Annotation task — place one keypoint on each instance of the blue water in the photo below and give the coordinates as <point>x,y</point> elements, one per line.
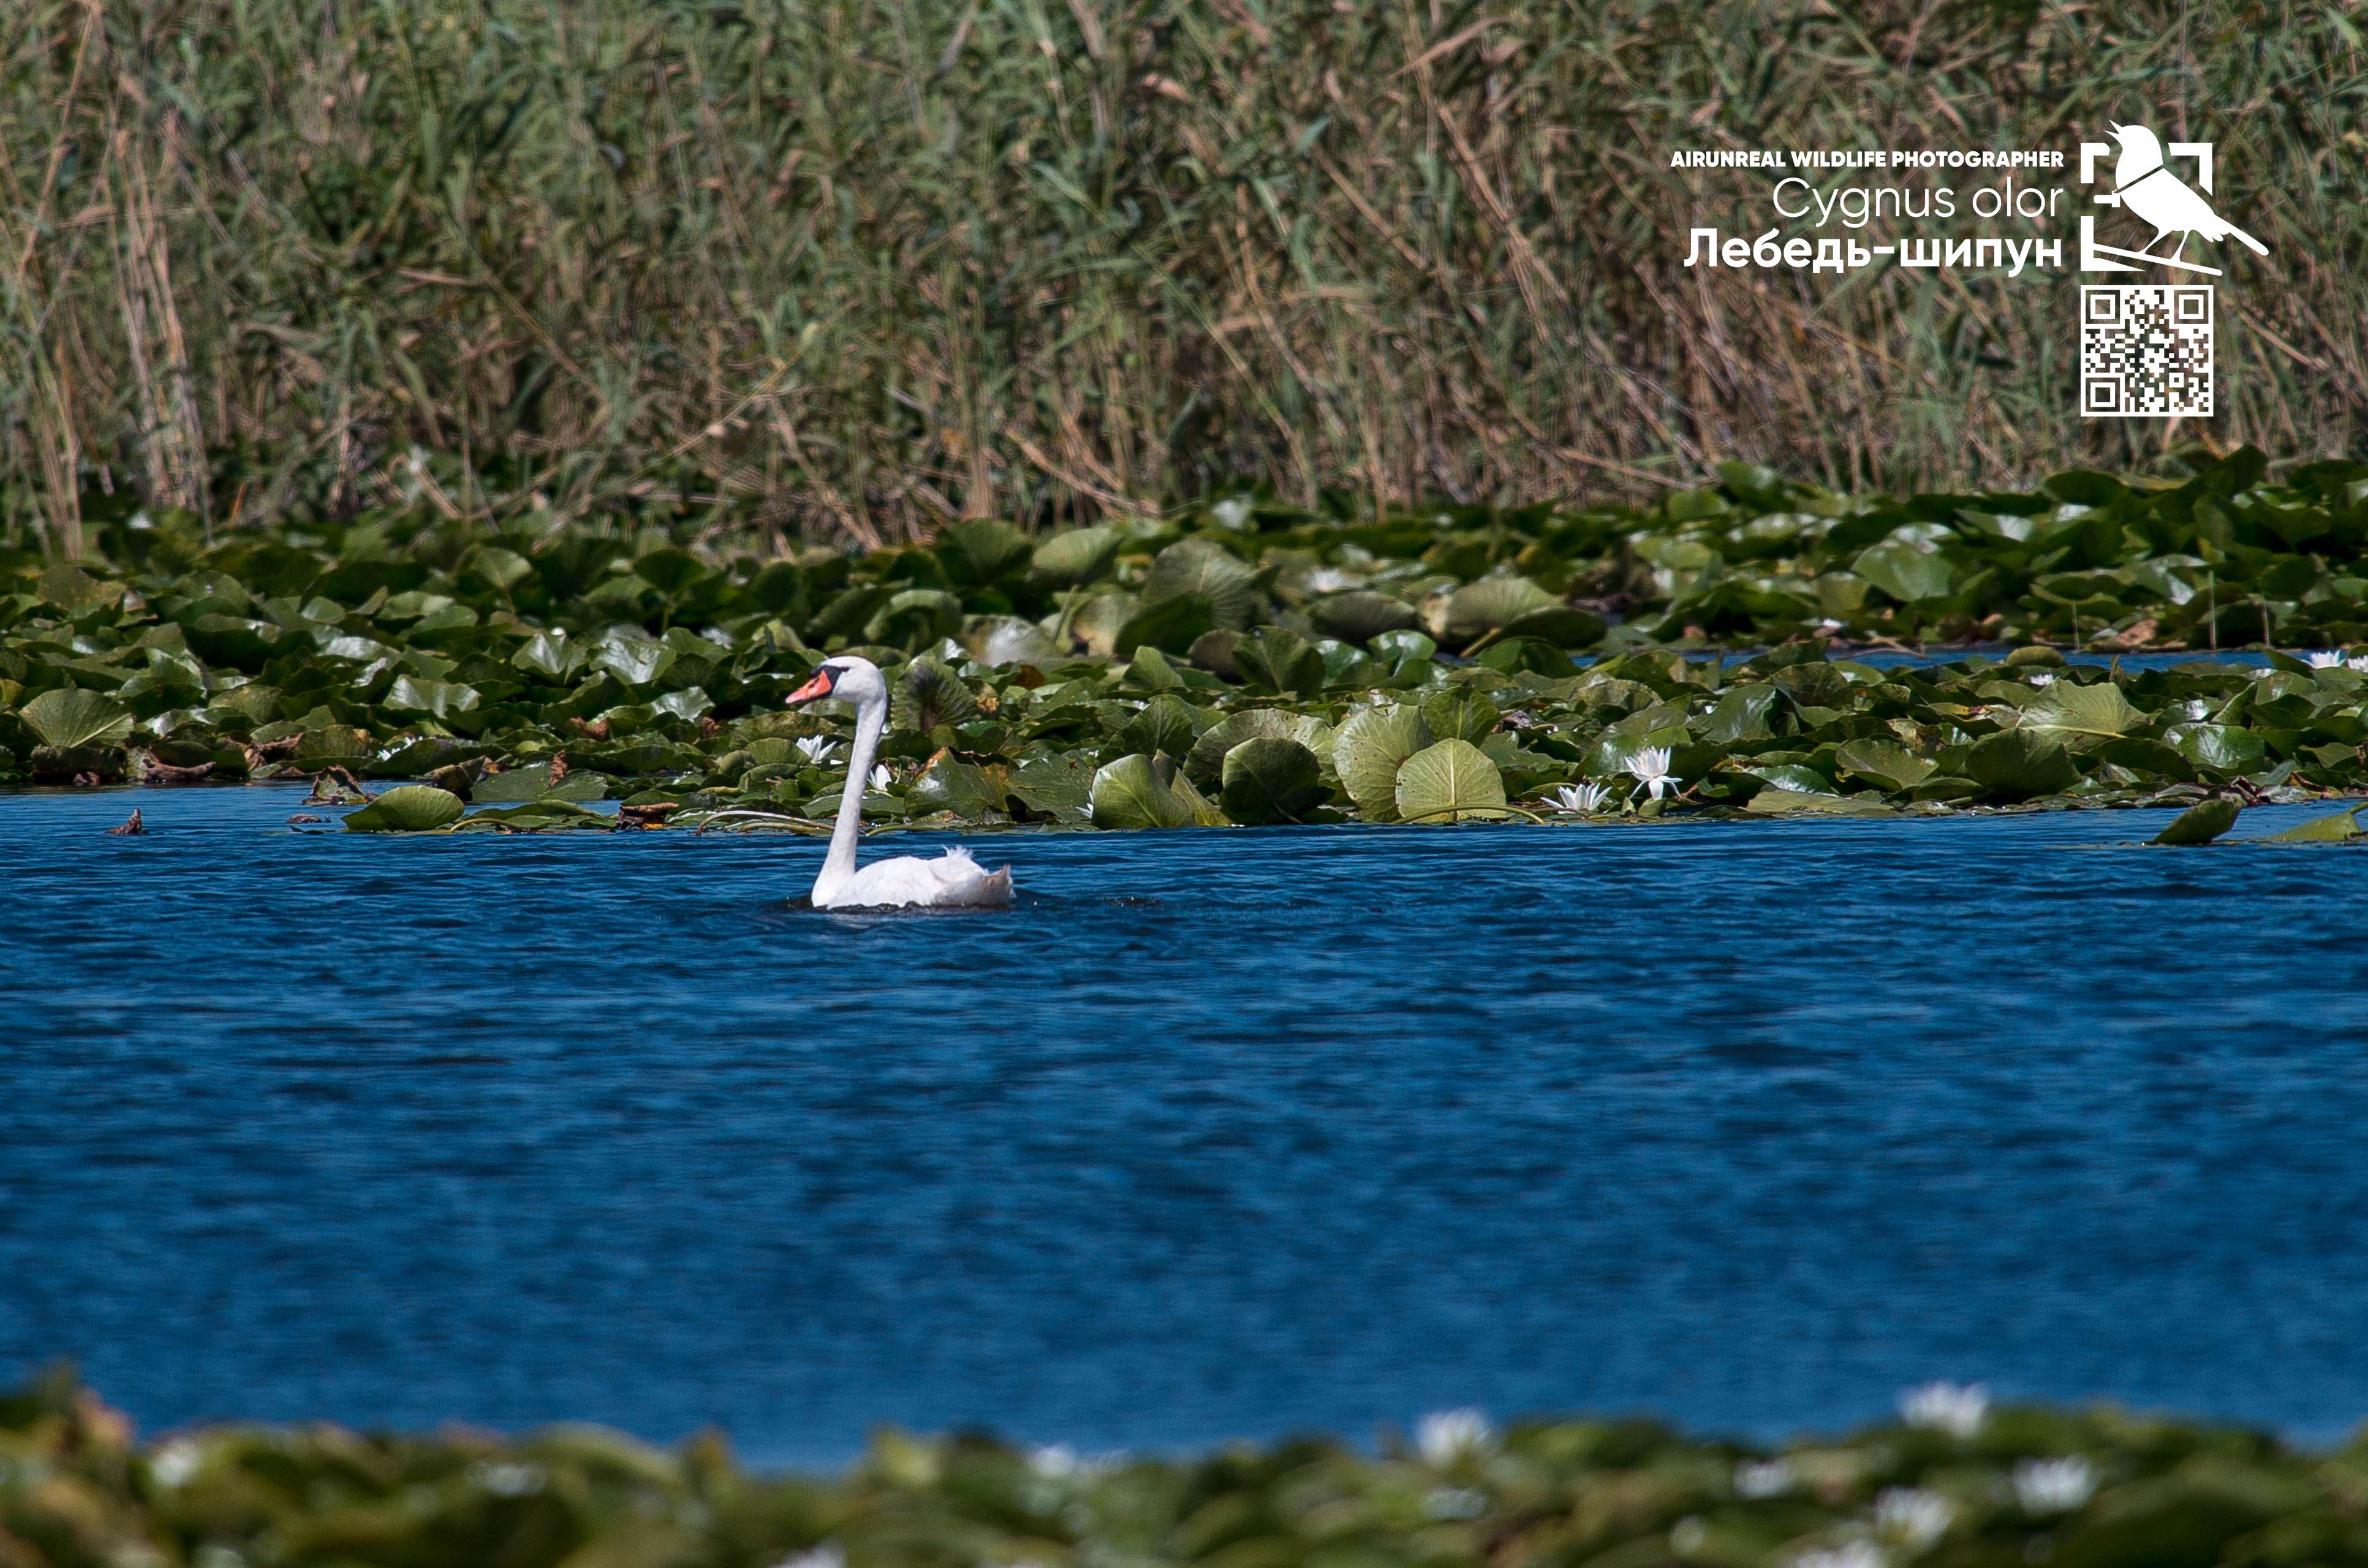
<point>1747,1124</point>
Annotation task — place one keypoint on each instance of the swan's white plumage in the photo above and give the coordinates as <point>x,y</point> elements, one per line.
<point>954,881</point>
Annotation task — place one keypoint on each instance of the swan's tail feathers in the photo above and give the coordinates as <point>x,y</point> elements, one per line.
<point>960,852</point>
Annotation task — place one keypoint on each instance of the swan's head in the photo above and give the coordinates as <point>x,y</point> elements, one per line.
<point>847,678</point>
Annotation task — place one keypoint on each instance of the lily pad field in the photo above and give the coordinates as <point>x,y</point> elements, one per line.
<point>1754,646</point>
<point>1954,1483</point>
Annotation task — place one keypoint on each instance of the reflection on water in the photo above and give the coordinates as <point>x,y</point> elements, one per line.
<point>1214,1134</point>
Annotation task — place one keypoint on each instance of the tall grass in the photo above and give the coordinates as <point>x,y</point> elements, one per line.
<point>852,266</point>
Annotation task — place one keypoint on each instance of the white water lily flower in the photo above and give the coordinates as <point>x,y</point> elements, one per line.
<point>2043,679</point>
<point>816,749</point>
<point>1651,771</point>
<point>175,1463</point>
<point>1849,1554</point>
<point>507,1479</point>
<point>2357,662</point>
<point>1058,1462</point>
<point>1913,1517</point>
<point>880,778</point>
<point>2326,659</point>
<point>1332,580</point>
<point>1580,797</point>
<point>2053,1486</point>
<point>829,1554</point>
<point>1957,1409</point>
<point>1445,1436</point>
<point>1763,1478</point>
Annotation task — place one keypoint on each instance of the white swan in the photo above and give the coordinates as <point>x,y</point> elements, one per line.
<point>954,881</point>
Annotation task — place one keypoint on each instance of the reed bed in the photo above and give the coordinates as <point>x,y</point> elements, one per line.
<point>849,269</point>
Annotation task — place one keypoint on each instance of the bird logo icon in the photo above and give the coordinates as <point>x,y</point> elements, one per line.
<point>2145,188</point>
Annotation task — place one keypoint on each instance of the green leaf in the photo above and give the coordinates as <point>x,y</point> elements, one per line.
<point>533,783</point>
<point>916,617</point>
<point>2219,748</point>
<point>926,695</point>
<point>1205,763</point>
<point>1165,725</point>
<point>1742,714</point>
<point>1170,625</point>
<point>2016,765</point>
<point>1081,555</point>
<point>1058,786</point>
<point>2083,717</point>
<point>1140,791</point>
<point>1493,604</point>
<point>1372,744</point>
<point>633,658</point>
<point>1200,566</point>
<point>73,590</point>
<point>1887,763</point>
<point>1461,714</point>
<point>2142,753</point>
<point>1448,781</point>
<point>1813,802</point>
<point>1281,661</point>
<point>548,652</point>
<point>334,746</point>
<point>1904,571</point>
<point>1793,777</point>
<point>1271,779</point>
<point>2201,824</point>
<point>1361,615</point>
<point>412,808</point>
<point>69,717</point>
<point>985,549</point>
<point>438,699</point>
<point>949,784</point>
<point>1564,626</point>
<point>2336,827</point>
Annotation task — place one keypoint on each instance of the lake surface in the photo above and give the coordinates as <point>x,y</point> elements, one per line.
<point>1218,1135</point>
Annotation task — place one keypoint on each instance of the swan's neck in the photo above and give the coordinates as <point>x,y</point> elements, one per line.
<point>870,717</point>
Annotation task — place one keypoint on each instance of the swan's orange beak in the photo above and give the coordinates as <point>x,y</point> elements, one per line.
<point>818,686</point>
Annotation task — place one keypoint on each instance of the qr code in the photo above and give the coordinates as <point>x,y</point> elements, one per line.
<point>2146,350</point>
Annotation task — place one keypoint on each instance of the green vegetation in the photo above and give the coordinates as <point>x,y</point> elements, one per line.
<point>849,269</point>
<point>1245,662</point>
<point>1972,1488</point>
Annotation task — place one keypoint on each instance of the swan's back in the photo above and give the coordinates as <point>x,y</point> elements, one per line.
<point>952,880</point>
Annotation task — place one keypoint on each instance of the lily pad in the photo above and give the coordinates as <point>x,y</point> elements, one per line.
<point>1372,744</point>
<point>1206,569</point>
<point>1270,778</point>
<point>1887,763</point>
<point>1450,781</point>
<point>1141,791</point>
<point>70,718</point>
<point>2019,765</point>
<point>2201,823</point>
<point>410,808</point>
<point>2336,827</point>
<point>1361,615</point>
